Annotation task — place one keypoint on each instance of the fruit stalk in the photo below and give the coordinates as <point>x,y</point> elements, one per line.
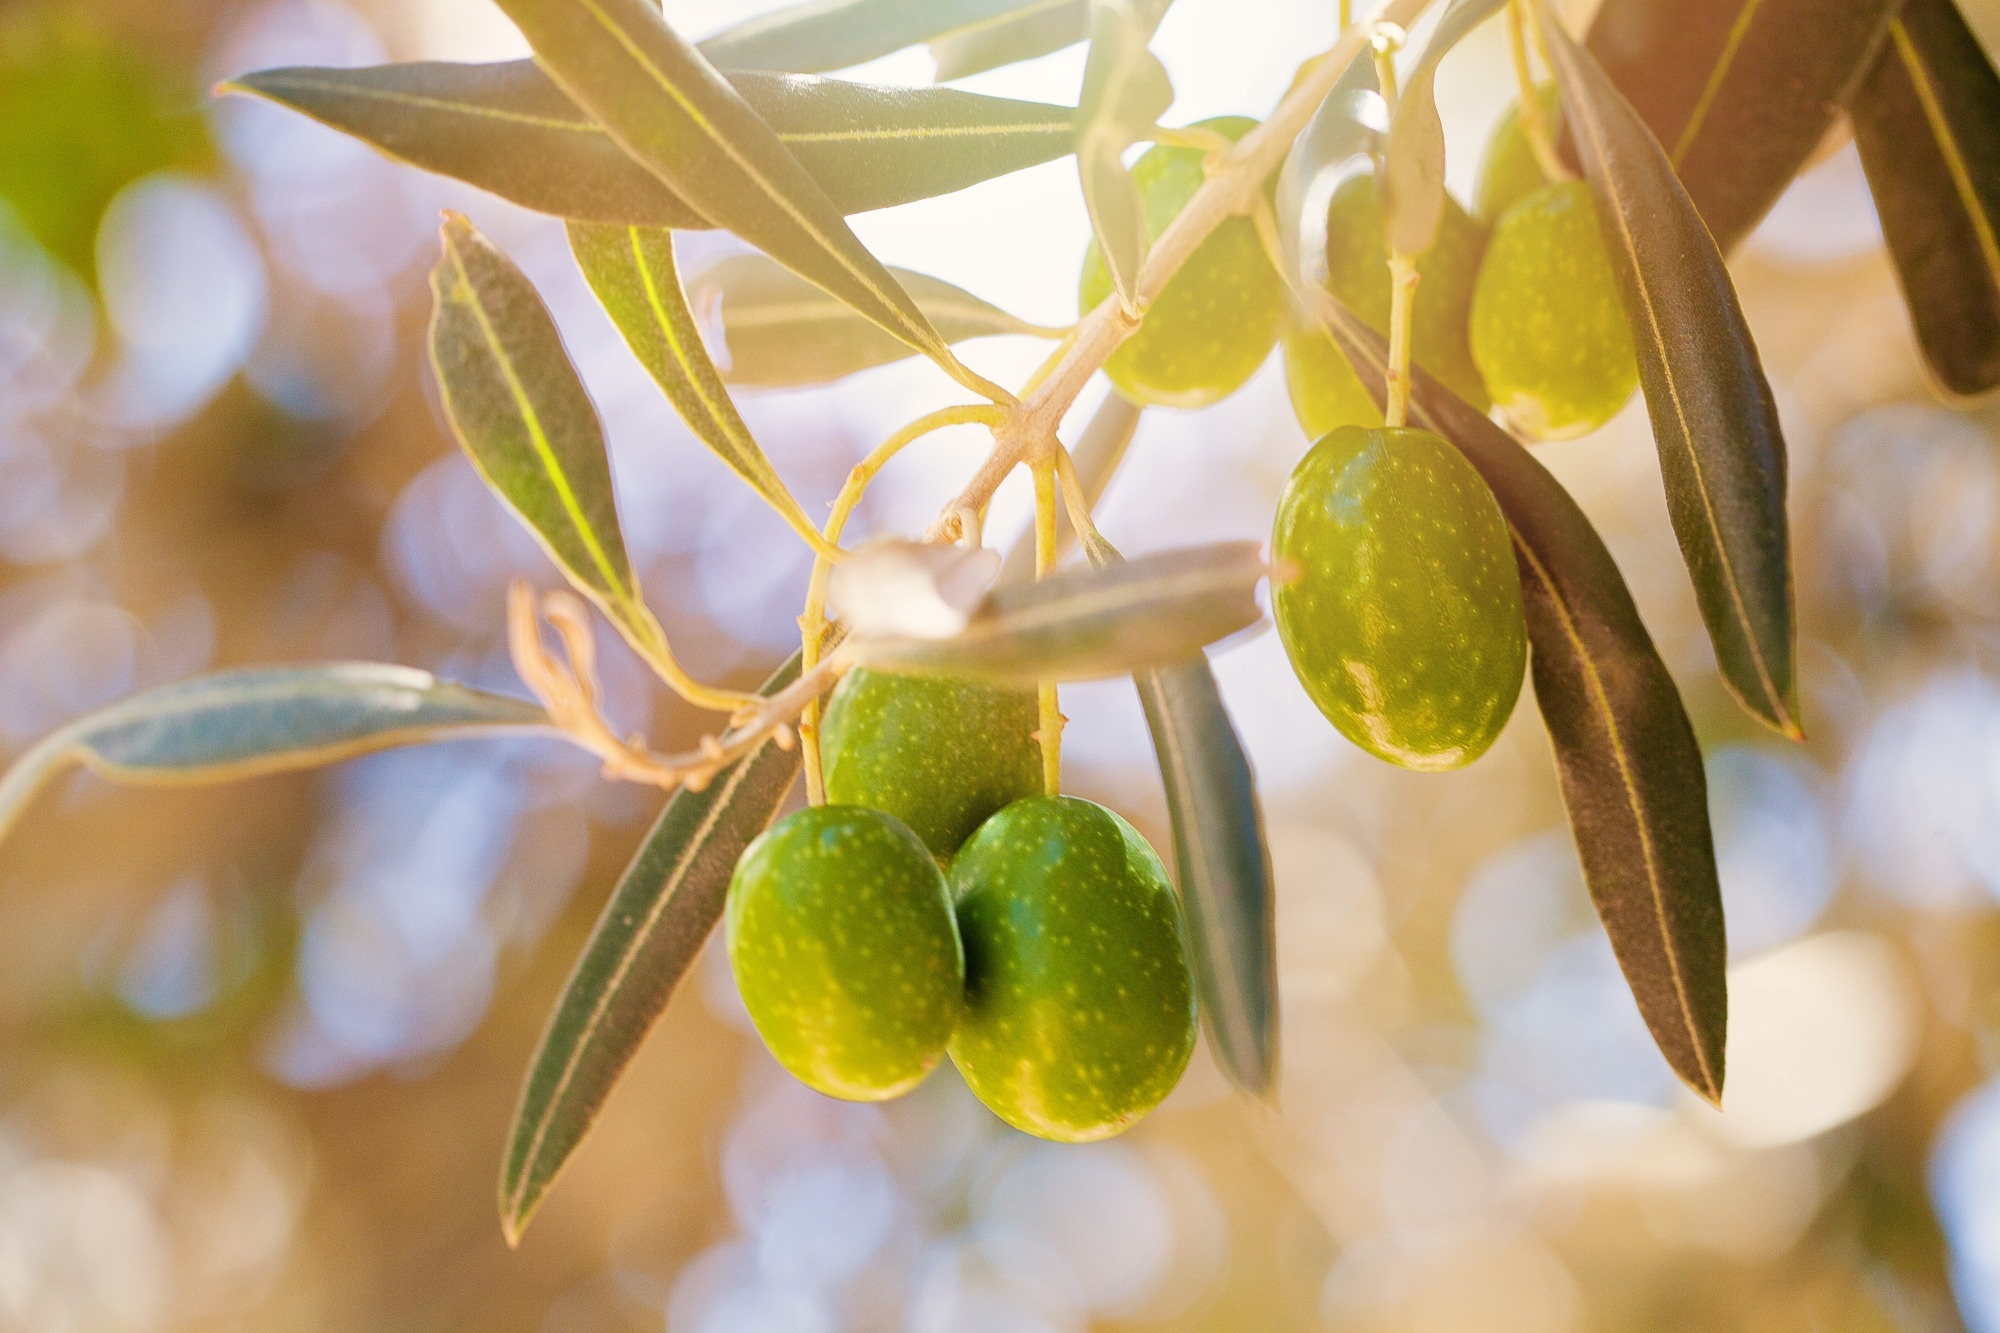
<point>1402,299</point>
<point>1049,722</point>
<point>1534,124</point>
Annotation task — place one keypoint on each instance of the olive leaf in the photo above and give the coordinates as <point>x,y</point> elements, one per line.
<point>1413,172</point>
<point>632,271</point>
<point>834,34</point>
<point>1344,139</point>
<point>238,724</point>
<point>1626,755</point>
<point>1096,457</point>
<point>1740,92</point>
<point>1089,624</point>
<point>1927,121</point>
<point>508,128</point>
<point>1033,29</point>
<point>780,330</point>
<point>1125,92</point>
<point>1222,864</point>
<point>671,110</point>
<point>1722,453</point>
<point>526,422</point>
<point>651,931</point>
<point>894,588</point>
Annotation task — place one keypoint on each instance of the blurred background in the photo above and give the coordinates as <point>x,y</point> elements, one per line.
<point>259,1044</point>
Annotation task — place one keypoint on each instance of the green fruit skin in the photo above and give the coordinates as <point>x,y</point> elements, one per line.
<point>1404,621</point>
<point>940,755</point>
<point>1326,393</point>
<point>1215,322</point>
<point>846,951</point>
<point>1079,1007</point>
<point>1357,268</point>
<point>1510,172</point>
<point>1548,326</point>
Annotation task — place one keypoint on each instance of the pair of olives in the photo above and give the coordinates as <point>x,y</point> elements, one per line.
<point>937,903</point>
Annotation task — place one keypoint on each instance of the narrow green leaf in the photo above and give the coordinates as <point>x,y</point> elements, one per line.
<point>1096,457</point>
<point>1413,173</point>
<point>1927,121</point>
<point>679,118</point>
<point>1125,92</point>
<point>1740,92</point>
<point>650,934</point>
<point>781,330</point>
<point>833,34</point>
<point>238,724</point>
<point>1035,29</point>
<point>509,129</point>
<point>523,417</point>
<point>1088,624</point>
<point>632,270</point>
<point>1626,755</point>
<point>1721,451</point>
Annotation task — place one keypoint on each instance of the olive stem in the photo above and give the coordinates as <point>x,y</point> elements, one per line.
<point>1534,124</point>
<point>1403,279</point>
<point>1238,176</point>
<point>812,621</point>
<point>1049,722</point>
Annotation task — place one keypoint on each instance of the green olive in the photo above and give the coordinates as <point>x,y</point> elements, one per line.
<point>940,755</point>
<point>845,950</point>
<point>1357,268</point>
<point>1079,1009</point>
<point>1510,171</point>
<point>1548,325</point>
<point>1216,320</point>
<point>1403,620</point>
<point>1326,393</point>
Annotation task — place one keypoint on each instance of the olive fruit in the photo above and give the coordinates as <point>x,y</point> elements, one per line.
<point>1548,325</point>
<point>940,755</point>
<point>1217,319</point>
<point>1510,172</point>
<point>1403,616</point>
<point>1326,393</point>
<point>845,950</point>
<point>1357,269</point>
<point>1079,1009</point>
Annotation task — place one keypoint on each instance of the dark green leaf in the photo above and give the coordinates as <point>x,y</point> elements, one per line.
<point>509,129</point>
<point>1096,457</point>
<point>1035,29</point>
<point>1088,624</point>
<point>1721,451</point>
<point>632,270</point>
<point>524,419</point>
<point>1927,120</point>
<point>834,34</point>
<point>671,110</point>
<point>650,934</point>
<point>781,330</point>
<point>1125,92</point>
<point>1630,767</point>
<point>1739,91</point>
<point>237,724</point>
<point>1413,174</point>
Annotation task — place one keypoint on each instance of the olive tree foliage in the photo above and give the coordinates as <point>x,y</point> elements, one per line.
<point>1675,124</point>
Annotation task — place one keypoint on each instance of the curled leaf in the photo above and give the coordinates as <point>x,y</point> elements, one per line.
<point>919,590</point>
<point>1413,174</point>
<point>1125,92</point>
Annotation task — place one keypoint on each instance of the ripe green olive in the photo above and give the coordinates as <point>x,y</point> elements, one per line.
<point>1216,320</point>
<point>1357,268</point>
<point>1326,393</point>
<point>1079,1008</point>
<point>846,951</point>
<point>1510,172</point>
<point>1548,325</point>
<point>1403,620</point>
<point>940,755</point>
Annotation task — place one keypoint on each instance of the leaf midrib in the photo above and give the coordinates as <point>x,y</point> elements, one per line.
<point>1711,90</point>
<point>1948,146</point>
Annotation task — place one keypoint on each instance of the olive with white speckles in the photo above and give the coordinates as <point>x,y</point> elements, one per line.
<point>1079,1007</point>
<point>1220,315</point>
<point>1403,619</point>
<point>939,754</point>
<point>845,950</point>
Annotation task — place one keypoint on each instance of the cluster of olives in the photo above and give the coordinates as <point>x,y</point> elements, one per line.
<point>1403,615</point>
<point>938,902</point>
